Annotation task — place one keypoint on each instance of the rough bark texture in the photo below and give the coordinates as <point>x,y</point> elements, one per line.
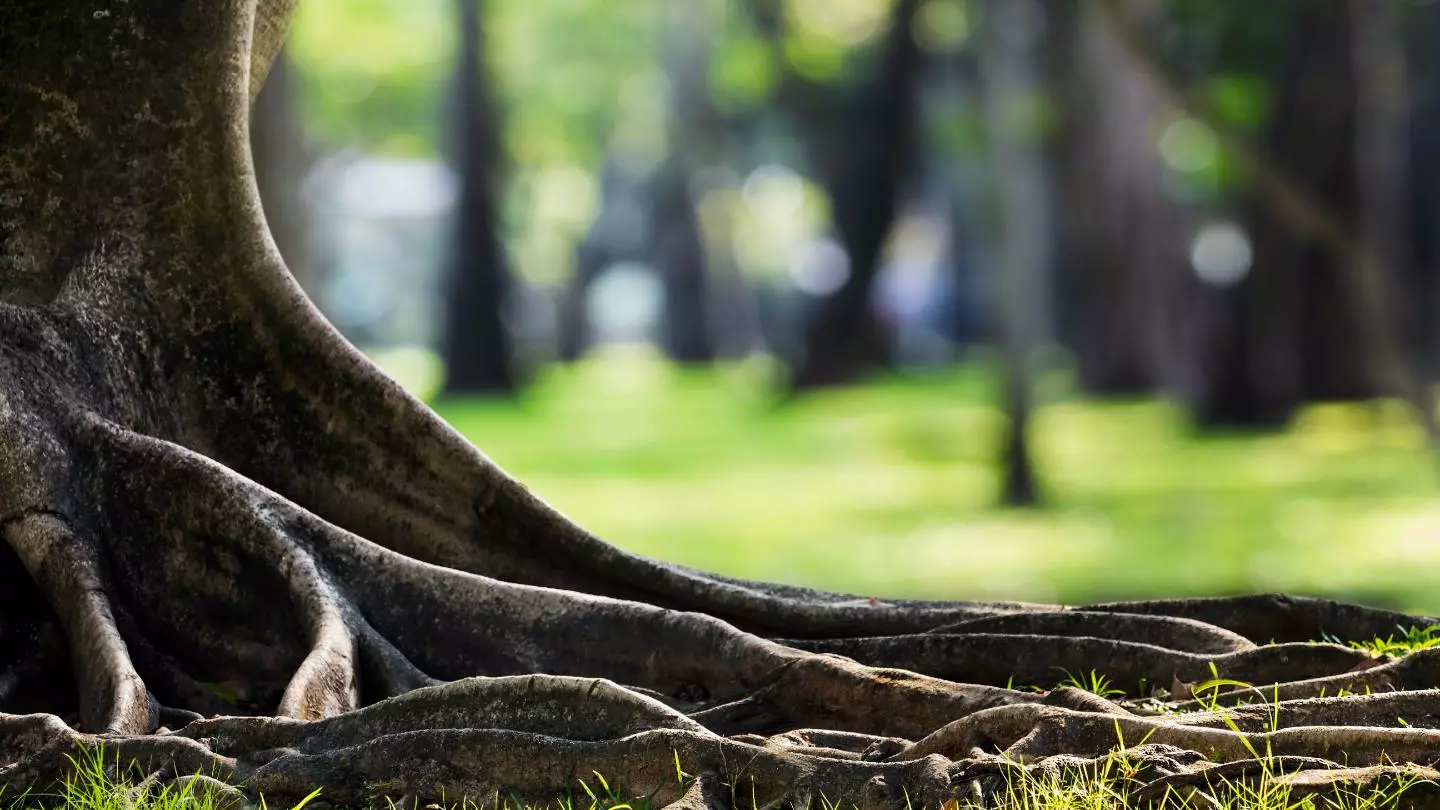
<point>234,548</point>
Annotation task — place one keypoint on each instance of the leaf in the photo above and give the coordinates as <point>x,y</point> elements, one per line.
<point>1180,690</point>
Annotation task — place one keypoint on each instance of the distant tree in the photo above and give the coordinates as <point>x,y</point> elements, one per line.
<point>1422,25</point>
<point>858,134</point>
<point>1009,48</point>
<point>477,345</point>
<point>677,248</point>
<point>1317,317</point>
<point>620,233</point>
<point>1122,272</point>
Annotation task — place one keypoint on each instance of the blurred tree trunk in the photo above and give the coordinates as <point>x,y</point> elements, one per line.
<point>677,248</point>
<point>620,233</point>
<point>572,321</point>
<point>1288,333</point>
<point>1382,161</point>
<point>864,155</point>
<point>281,163</point>
<point>1008,61</point>
<point>1424,235</point>
<point>1124,273</point>
<point>476,343</point>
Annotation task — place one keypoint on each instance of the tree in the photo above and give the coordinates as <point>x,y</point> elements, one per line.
<point>477,343</point>
<point>677,247</point>
<point>1123,270</point>
<point>1319,320</point>
<point>864,149</point>
<point>859,135</point>
<point>212,504</point>
<point>1007,58</point>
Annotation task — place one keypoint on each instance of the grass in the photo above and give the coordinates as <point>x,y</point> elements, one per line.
<point>1108,784</point>
<point>890,488</point>
<point>97,782</point>
<point>1410,640</point>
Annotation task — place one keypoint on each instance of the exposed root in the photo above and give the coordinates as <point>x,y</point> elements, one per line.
<point>1170,632</point>
<point>1031,733</point>
<point>1418,670</point>
<point>1392,709</point>
<point>1040,660</point>
<point>355,656</point>
<point>1277,617</point>
<point>112,695</point>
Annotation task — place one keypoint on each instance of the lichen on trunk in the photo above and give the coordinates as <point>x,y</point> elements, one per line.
<point>233,546</point>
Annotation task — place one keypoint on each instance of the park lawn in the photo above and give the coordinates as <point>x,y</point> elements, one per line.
<point>889,489</point>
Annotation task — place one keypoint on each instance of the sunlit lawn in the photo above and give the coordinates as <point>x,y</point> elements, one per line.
<point>890,489</point>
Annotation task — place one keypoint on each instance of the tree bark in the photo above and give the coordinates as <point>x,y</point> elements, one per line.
<point>212,505</point>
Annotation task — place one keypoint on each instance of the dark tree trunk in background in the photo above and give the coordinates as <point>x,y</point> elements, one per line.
<point>1424,156</point>
<point>864,158</point>
<point>677,247</point>
<point>621,232</point>
<point>281,162</point>
<point>477,347</point>
<point>1123,270</point>
<point>572,322</point>
<point>1287,333</point>
<point>1382,160</point>
<point>1008,61</point>
<point>679,257</point>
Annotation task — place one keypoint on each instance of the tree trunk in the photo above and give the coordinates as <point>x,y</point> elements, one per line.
<point>1123,269</point>
<point>865,158</point>
<point>1382,163</point>
<point>677,248</point>
<point>211,504</point>
<point>1424,235</point>
<point>477,342</point>
<point>1007,56</point>
<point>1288,333</point>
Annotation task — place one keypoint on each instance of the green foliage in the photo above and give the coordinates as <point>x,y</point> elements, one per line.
<point>96,781</point>
<point>375,71</point>
<point>1094,683</point>
<point>1410,640</point>
<point>890,488</point>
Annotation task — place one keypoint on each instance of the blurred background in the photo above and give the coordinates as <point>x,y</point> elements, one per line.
<point>1054,300</point>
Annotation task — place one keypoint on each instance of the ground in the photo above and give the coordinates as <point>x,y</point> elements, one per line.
<point>889,488</point>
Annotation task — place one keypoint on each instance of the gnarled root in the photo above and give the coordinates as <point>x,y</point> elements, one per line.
<point>353,661</point>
